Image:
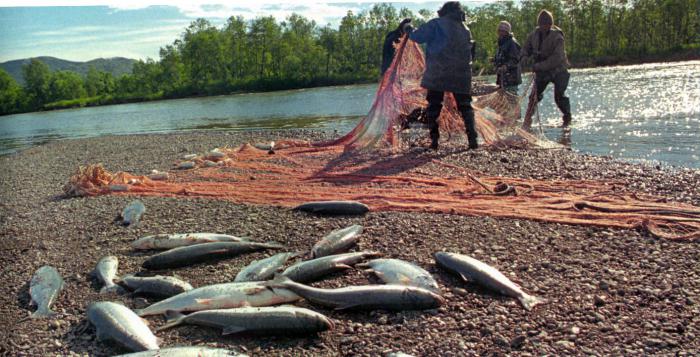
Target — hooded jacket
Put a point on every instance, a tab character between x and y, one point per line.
508	54
447	54
548	51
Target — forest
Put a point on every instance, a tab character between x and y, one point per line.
265	54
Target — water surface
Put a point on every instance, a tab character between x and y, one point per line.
645	112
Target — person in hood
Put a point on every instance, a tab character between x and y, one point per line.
507	59
546	46
448	57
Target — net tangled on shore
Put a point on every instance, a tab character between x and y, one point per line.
388	179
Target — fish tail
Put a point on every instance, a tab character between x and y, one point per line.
279	281
530	301
42	312
274	245
172	319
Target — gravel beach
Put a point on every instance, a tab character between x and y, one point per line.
608	291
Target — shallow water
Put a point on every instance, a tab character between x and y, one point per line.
645	112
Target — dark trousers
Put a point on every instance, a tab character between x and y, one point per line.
464	105
561	81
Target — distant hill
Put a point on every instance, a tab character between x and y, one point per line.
116	65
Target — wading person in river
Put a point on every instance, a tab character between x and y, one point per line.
507	60
546	46
447	67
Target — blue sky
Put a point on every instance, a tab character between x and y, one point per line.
82	30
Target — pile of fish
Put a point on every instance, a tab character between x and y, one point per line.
257	300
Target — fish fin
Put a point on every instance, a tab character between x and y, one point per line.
364	265
530	301
145	322
273	245
342	266
203	301
404	280
228	330
172	319
112	289
464	277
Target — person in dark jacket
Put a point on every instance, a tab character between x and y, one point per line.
546	45
447	67
507	60
390	40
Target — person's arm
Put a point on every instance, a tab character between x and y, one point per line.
557	57
526	51
423	34
512	56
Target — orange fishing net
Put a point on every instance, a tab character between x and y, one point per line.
387	179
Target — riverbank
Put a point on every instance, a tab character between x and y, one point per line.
609	291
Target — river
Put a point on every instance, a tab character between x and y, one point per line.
648	113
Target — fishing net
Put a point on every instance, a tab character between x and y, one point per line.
387	178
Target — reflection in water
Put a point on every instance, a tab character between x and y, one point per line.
645	112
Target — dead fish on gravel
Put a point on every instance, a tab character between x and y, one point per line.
131	215
117	322
192	351
161	286
169	241
278	320
315	269
263	269
183	256
471	269
334	207
106	273
44	288
396	271
337	241
365	297
221	296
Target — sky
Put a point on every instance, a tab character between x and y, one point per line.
81	30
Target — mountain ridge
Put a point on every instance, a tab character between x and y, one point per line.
115	65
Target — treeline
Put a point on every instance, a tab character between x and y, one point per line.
263	54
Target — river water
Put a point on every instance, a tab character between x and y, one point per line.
647	113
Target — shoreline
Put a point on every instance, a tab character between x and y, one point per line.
97	102
608	290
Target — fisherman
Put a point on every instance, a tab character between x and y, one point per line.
448	57
507	60
390	40
546	45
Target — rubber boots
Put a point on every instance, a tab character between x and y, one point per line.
470	126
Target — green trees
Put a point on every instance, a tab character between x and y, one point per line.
264	54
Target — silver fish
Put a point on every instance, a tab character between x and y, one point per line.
282	320
192	351
315	269
334	208
395	271
131	215
337	241
117	322
169	241
366	297
188	255
471	269
263	269
221	296
106	272
161	286
44	288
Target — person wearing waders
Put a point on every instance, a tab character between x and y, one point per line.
507	60
448	57
546	46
